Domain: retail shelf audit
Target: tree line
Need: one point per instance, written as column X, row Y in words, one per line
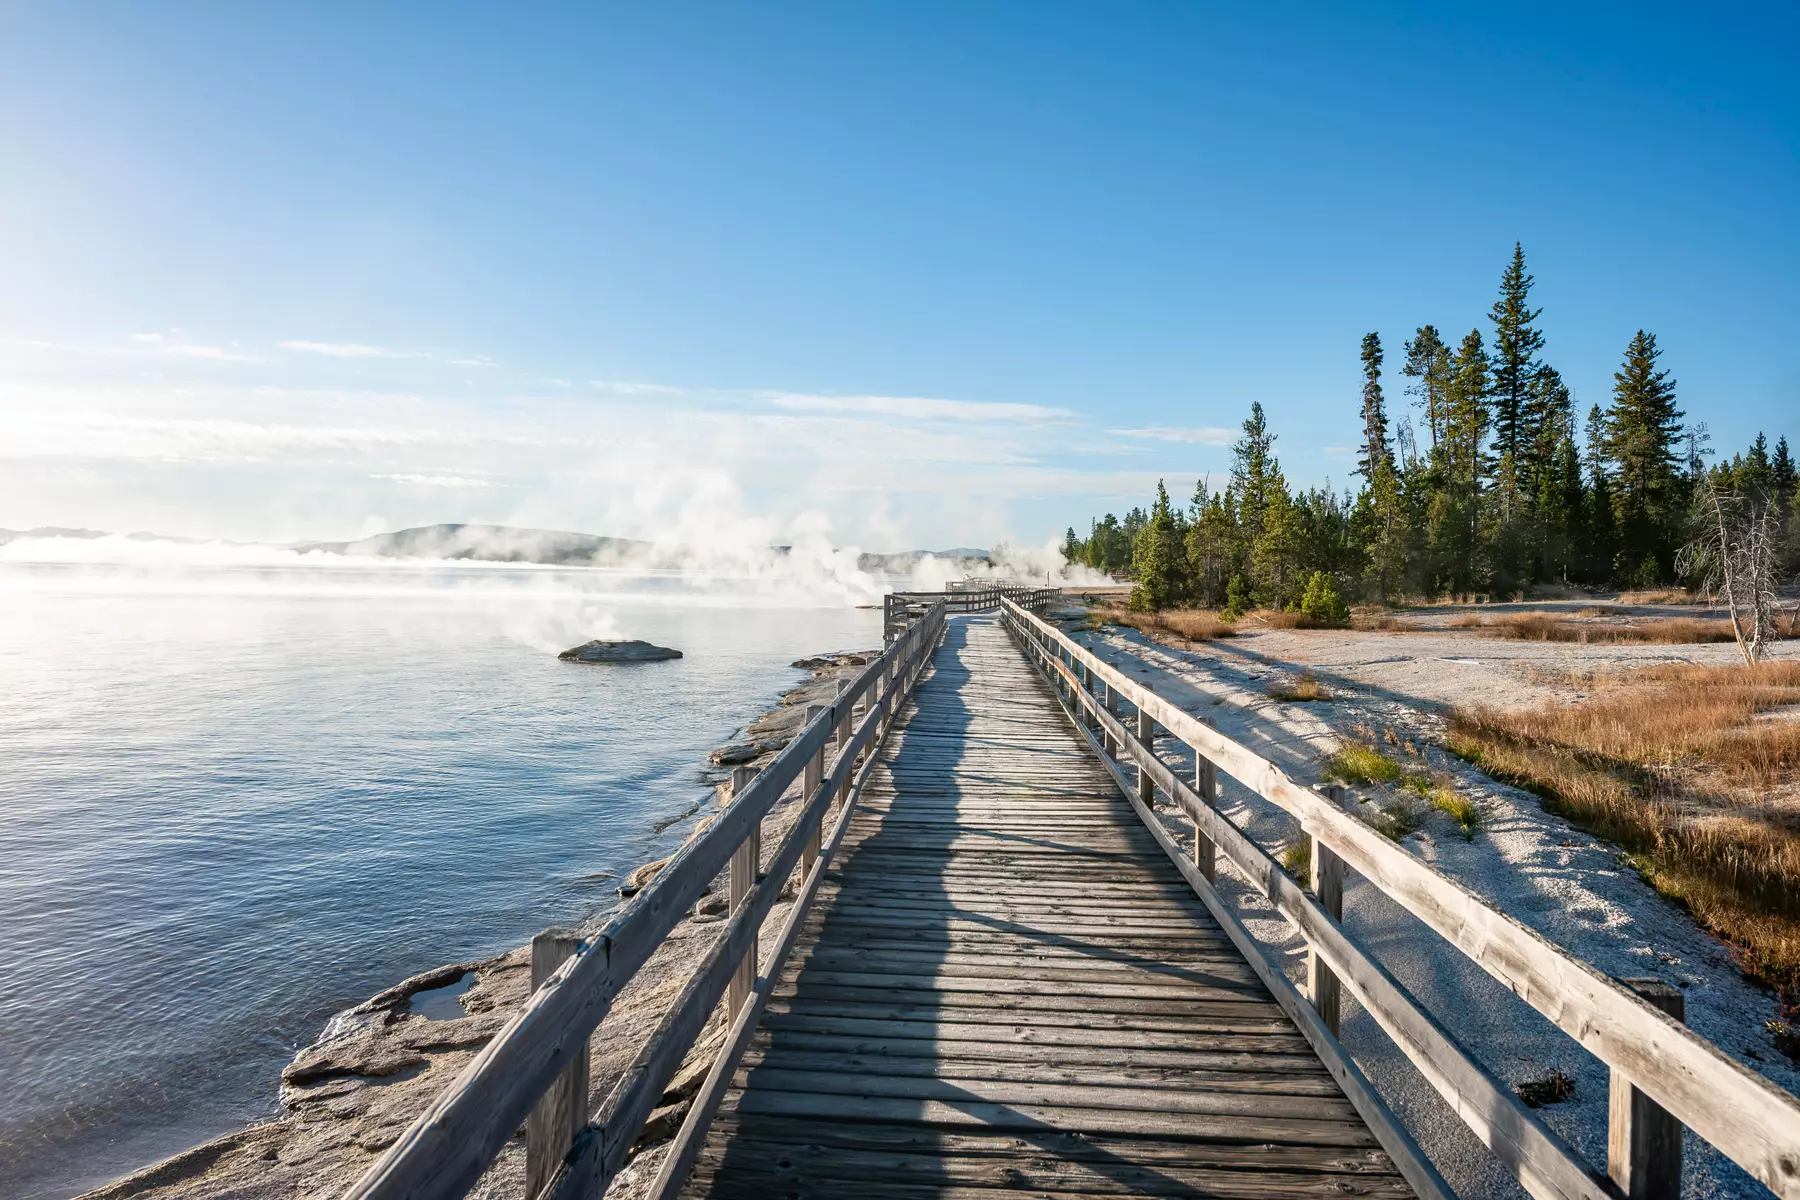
column 1500, row 486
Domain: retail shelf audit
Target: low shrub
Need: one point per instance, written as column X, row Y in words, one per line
column 1322, row 605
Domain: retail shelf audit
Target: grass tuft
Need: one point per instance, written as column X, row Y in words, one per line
column 1395, row 821
column 1305, row 688
column 1296, row 860
column 1362, row 765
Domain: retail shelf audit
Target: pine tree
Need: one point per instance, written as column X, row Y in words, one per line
column 1391, row 537
column 1158, row 558
column 1071, row 547
column 1375, row 445
column 1642, row 433
column 1782, row 473
column 1251, row 457
column 1428, row 362
column 1457, row 528
column 1516, row 344
column 1272, row 560
column 1599, row 524
column 1211, row 545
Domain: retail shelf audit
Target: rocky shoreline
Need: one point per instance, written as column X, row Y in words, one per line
column 349, row 1095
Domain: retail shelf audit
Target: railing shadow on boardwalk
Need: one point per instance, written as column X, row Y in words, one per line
column 781, row 1157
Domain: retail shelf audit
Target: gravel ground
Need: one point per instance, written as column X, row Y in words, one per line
column 1572, row 888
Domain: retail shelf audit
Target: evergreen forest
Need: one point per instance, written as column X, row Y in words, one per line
column 1501, row 485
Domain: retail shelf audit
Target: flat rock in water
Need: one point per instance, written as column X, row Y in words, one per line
column 603, row 651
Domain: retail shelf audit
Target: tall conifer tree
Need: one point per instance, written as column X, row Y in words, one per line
column 1516, row 344
column 1374, row 413
column 1643, row 432
column 1428, row 362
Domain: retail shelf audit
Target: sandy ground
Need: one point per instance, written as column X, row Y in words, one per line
column 1564, row 883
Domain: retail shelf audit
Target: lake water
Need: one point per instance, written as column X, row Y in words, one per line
column 235, row 799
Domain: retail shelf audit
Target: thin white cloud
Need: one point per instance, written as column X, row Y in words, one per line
column 146, row 337
column 214, row 353
column 350, row 350
column 480, row 360
column 1206, row 436
column 628, row 388
column 440, row 481
column 920, row 407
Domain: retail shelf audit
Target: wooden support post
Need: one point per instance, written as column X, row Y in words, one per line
column 1206, row 786
column 561, row 1112
column 1322, row 985
column 1146, row 735
column 1111, row 700
column 813, row 776
column 1643, row 1142
column 745, row 861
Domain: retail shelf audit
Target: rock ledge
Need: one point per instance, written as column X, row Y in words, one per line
column 603, row 651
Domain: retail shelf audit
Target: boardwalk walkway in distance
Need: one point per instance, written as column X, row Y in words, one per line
column 1007, row 990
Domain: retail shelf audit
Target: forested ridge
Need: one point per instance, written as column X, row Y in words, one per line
column 1499, row 486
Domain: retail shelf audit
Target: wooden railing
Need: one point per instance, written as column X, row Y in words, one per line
column 533, row 1073
column 965, row 597
column 1664, row 1075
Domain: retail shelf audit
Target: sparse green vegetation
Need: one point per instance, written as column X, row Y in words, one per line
column 1296, row 860
column 1394, row 821
column 1361, row 764
column 1440, row 792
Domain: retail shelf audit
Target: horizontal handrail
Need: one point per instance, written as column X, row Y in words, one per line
column 1746, row 1117
column 1408, row 1159
column 1543, row 1162
column 601, row 1150
column 447, row 1147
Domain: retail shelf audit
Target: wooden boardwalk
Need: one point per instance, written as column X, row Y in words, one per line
column 1006, row 990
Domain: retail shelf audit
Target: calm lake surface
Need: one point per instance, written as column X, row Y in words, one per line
column 235, row 799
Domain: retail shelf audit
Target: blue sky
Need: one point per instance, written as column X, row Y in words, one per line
column 931, row 274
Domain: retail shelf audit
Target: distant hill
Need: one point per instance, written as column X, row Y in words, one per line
column 515, row 544
column 903, row 562
column 492, row 543
column 49, row 531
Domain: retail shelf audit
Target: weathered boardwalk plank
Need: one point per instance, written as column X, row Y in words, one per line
column 1007, row 990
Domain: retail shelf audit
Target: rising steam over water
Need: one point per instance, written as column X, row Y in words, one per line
column 242, row 789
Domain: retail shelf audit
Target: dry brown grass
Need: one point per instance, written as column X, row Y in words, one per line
column 1187, row 624
column 1303, row 688
column 1662, row 596
column 1274, row 618
column 1538, row 627
column 1671, row 764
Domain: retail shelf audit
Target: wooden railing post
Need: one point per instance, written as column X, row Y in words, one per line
column 1111, row 701
column 744, row 863
column 810, row 780
column 1322, row 986
column 561, row 1113
column 1643, row 1142
column 1083, row 713
column 1206, row 786
column 1146, row 736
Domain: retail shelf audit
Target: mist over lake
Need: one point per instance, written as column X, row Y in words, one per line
column 240, row 795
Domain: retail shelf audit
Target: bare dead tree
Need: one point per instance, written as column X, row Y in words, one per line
column 1734, row 553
